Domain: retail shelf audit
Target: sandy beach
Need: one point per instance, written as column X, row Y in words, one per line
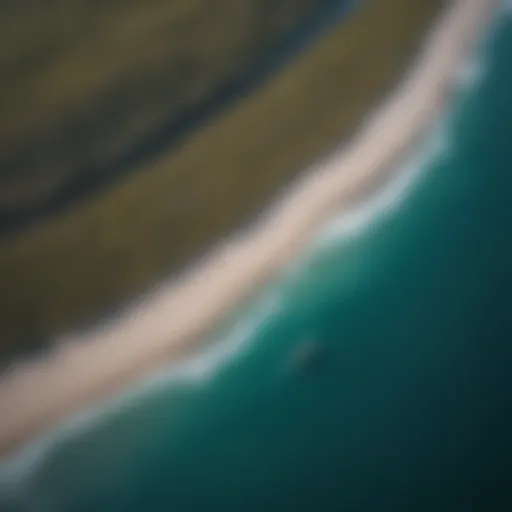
column 91, row 365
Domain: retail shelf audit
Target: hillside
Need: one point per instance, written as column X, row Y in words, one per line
column 68, row 269
column 91, row 88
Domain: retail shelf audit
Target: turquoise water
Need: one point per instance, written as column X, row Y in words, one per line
column 411, row 410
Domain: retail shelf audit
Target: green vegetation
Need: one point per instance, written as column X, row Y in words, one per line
column 117, row 243
column 83, row 80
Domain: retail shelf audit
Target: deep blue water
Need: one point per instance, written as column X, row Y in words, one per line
column 411, row 409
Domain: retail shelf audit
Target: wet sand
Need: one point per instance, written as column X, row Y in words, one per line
column 92, row 365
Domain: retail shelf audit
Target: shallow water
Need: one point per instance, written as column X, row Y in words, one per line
column 410, row 300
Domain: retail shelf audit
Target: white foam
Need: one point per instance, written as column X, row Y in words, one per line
column 471, row 72
column 195, row 370
column 354, row 222
column 473, row 69
column 205, row 365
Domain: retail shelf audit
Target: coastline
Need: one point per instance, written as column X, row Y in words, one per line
column 112, row 356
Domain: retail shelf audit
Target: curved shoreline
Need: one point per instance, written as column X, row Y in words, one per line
column 90, row 365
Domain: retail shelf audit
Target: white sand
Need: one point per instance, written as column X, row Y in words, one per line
column 92, row 365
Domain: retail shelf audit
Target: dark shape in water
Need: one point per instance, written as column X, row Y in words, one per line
column 307, row 355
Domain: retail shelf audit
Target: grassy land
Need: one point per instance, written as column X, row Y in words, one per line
column 117, row 243
column 83, row 80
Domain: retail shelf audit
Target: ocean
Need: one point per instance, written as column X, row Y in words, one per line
column 408, row 298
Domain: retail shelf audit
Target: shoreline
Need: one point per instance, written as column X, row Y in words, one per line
column 102, row 361
column 72, row 272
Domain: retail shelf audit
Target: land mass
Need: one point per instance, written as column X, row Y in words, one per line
column 92, row 90
column 70, row 269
